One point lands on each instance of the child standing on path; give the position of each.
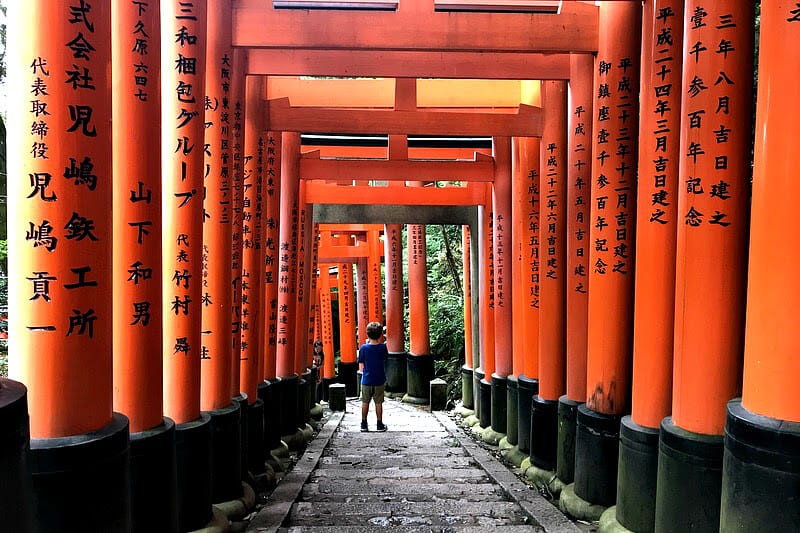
(371, 357)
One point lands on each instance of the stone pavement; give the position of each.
(423, 475)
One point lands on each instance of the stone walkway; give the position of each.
(423, 475)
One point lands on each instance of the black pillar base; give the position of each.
(544, 433)
(512, 392)
(499, 406)
(303, 396)
(527, 389)
(311, 397)
(567, 433)
(154, 479)
(193, 459)
(348, 377)
(242, 401)
(70, 471)
(636, 477)
(396, 372)
(467, 397)
(226, 453)
(326, 383)
(477, 378)
(485, 418)
(286, 401)
(266, 393)
(689, 480)
(760, 473)
(596, 456)
(255, 438)
(16, 491)
(419, 373)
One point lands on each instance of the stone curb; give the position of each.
(540, 510)
(270, 518)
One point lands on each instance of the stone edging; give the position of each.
(539, 509)
(270, 518)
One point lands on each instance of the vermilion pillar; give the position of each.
(363, 299)
(553, 276)
(656, 225)
(60, 228)
(183, 31)
(579, 167)
(527, 194)
(137, 222)
(419, 370)
(611, 247)
(326, 323)
(348, 367)
(237, 173)
(483, 374)
(711, 256)
(759, 487)
(286, 392)
(395, 335)
(501, 280)
(302, 349)
(467, 396)
(216, 296)
(374, 290)
(312, 290)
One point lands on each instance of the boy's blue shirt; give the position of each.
(373, 357)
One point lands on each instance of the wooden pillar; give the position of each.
(302, 350)
(553, 276)
(138, 374)
(467, 396)
(272, 197)
(60, 230)
(766, 422)
(395, 331)
(419, 368)
(237, 168)
(579, 166)
(374, 275)
(526, 301)
(486, 320)
(657, 222)
(501, 245)
(713, 209)
(611, 250)
(312, 291)
(348, 367)
(252, 317)
(287, 278)
(326, 323)
(363, 299)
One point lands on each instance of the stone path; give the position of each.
(423, 475)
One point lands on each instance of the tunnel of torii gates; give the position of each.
(173, 228)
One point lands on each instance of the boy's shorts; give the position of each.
(372, 393)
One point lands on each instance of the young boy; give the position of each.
(371, 357)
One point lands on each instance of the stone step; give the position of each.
(419, 461)
(408, 475)
(385, 514)
(341, 490)
(409, 529)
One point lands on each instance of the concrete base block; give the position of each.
(438, 394)
(307, 431)
(394, 395)
(525, 464)
(415, 400)
(238, 508)
(471, 420)
(514, 456)
(609, 524)
(295, 441)
(504, 444)
(492, 437)
(278, 457)
(577, 507)
(477, 431)
(317, 412)
(462, 411)
(337, 397)
(545, 478)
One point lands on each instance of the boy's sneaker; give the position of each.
(365, 427)
(381, 427)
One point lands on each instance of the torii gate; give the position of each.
(83, 338)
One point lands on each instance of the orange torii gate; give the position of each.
(63, 301)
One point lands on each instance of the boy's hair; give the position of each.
(374, 330)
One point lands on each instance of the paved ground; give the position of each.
(423, 475)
